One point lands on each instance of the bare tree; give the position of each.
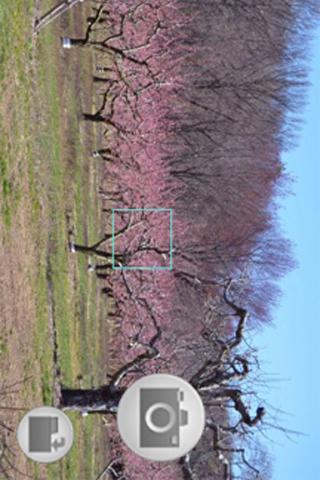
(218, 380)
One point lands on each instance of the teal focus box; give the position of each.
(142, 239)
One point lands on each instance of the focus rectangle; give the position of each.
(142, 239)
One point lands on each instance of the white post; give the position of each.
(66, 42)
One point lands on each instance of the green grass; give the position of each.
(15, 43)
(15, 54)
(76, 324)
(38, 175)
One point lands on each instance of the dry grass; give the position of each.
(48, 185)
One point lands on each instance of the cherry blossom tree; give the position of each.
(196, 102)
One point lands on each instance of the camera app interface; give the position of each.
(159, 239)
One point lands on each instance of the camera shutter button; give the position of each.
(156, 428)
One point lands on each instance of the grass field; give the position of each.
(48, 186)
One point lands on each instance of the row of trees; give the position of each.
(198, 100)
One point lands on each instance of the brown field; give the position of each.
(48, 188)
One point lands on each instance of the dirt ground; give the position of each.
(49, 185)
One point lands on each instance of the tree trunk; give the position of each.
(93, 249)
(78, 42)
(93, 117)
(97, 79)
(100, 400)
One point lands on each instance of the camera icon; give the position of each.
(45, 434)
(161, 417)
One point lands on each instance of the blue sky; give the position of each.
(290, 349)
